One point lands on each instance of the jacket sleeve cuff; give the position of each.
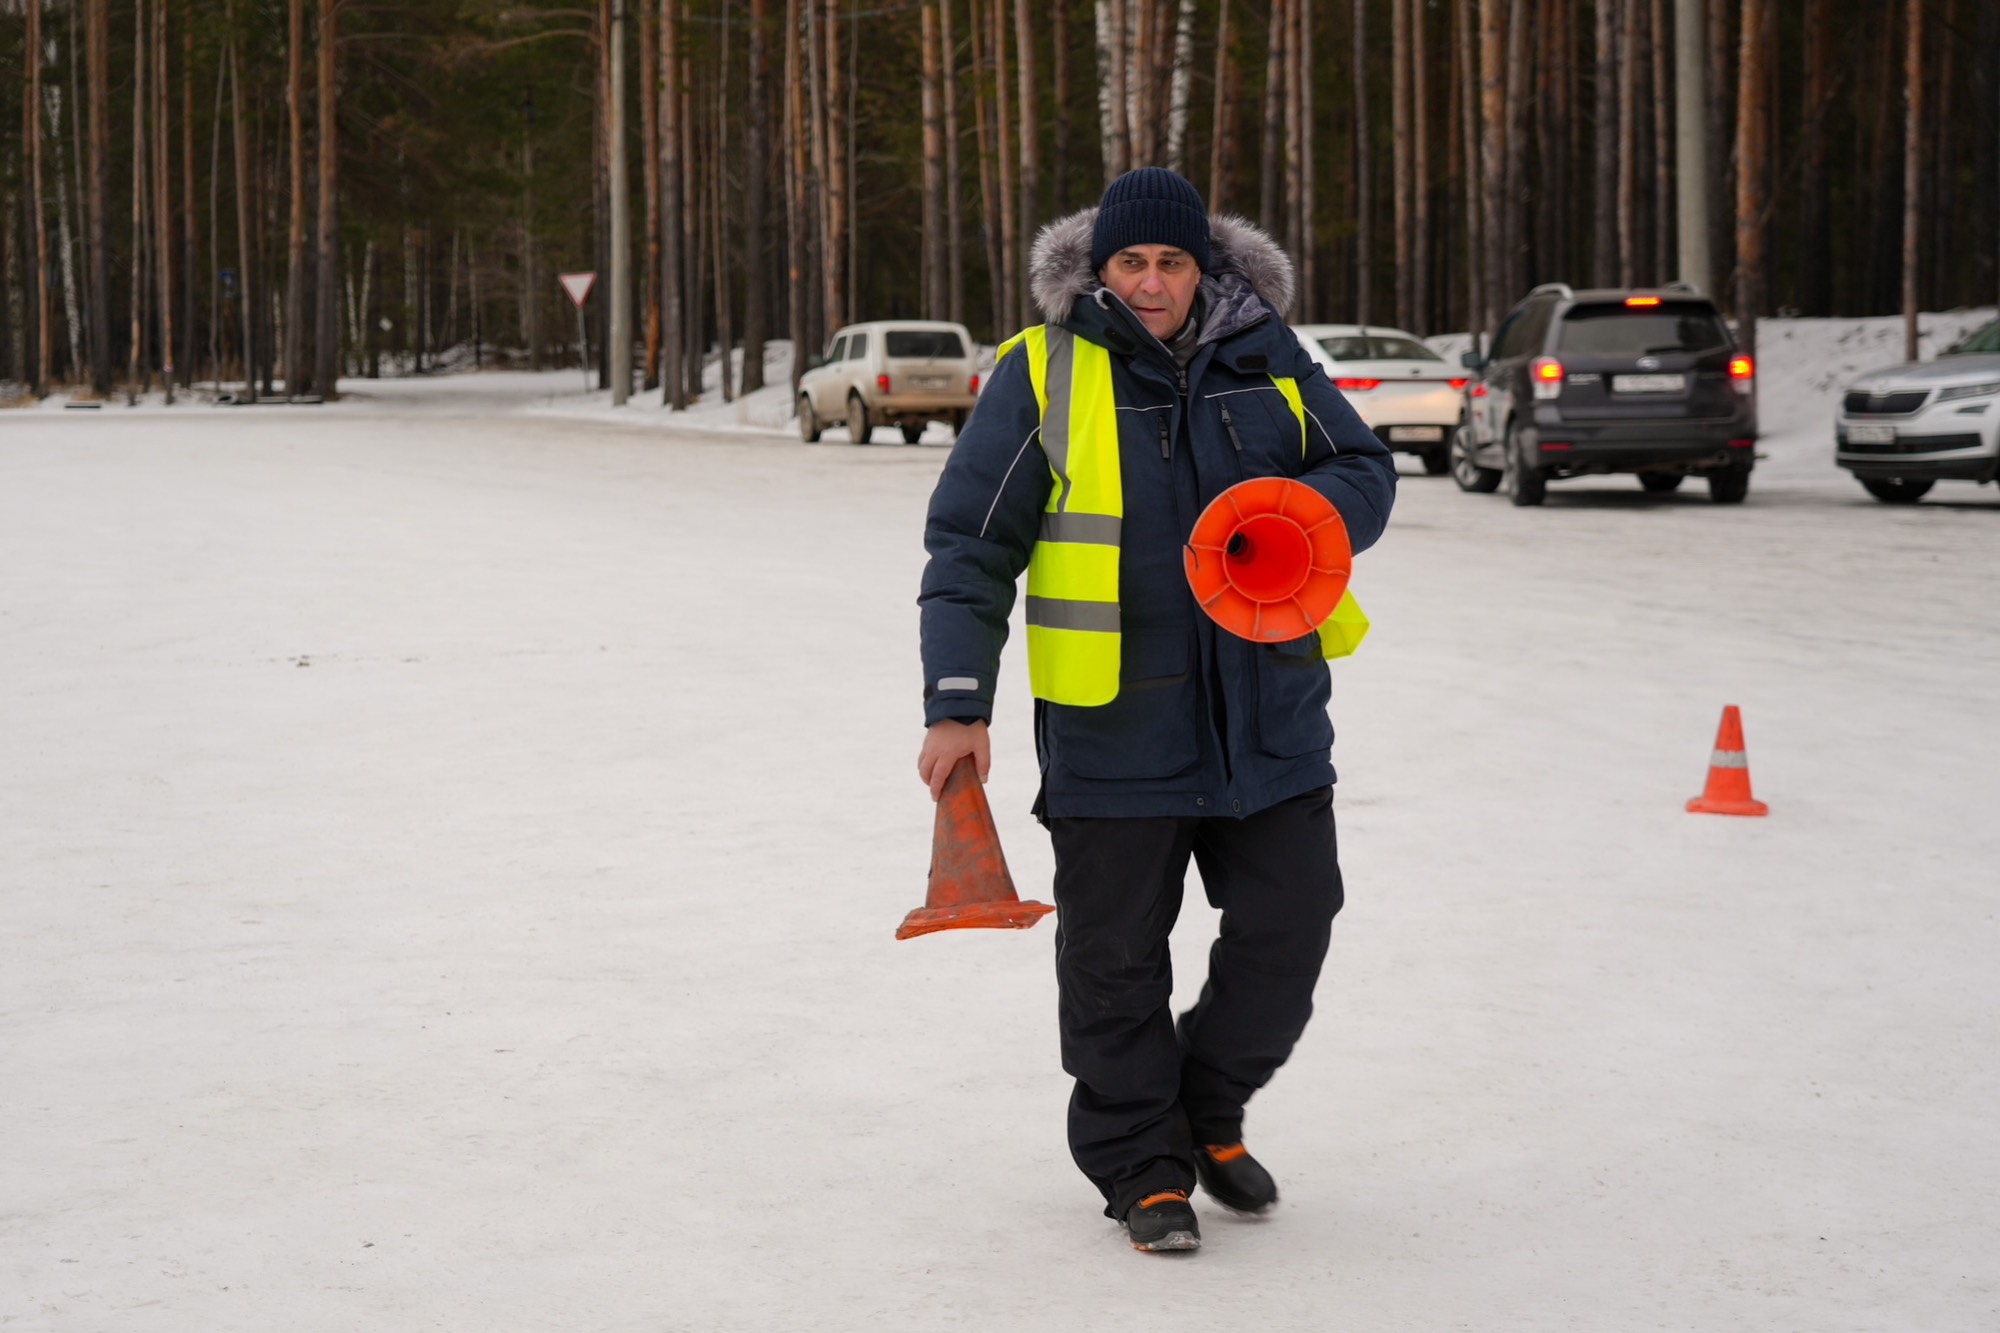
(958, 696)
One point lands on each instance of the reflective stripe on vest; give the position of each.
(1072, 608)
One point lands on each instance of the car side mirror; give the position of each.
(1472, 361)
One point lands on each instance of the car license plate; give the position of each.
(1431, 434)
(1871, 434)
(929, 381)
(1649, 383)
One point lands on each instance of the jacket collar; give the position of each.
(1250, 276)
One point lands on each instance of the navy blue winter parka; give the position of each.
(1205, 723)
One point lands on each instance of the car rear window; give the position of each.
(1621, 330)
(1368, 347)
(925, 342)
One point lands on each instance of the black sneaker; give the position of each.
(1235, 1179)
(1163, 1221)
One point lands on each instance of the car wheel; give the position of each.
(911, 434)
(1895, 491)
(1728, 488)
(1662, 483)
(858, 428)
(1527, 484)
(1437, 461)
(1467, 473)
(809, 427)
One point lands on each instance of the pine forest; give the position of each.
(284, 192)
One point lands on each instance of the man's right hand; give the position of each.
(947, 742)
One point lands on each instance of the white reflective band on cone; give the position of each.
(1729, 759)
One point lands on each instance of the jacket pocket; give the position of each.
(1293, 688)
(1148, 731)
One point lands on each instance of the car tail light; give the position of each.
(1547, 373)
(1555, 446)
(1479, 391)
(1356, 386)
(1642, 301)
(1458, 385)
(1743, 444)
(975, 385)
(1743, 372)
(882, 383)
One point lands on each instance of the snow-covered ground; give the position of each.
(452, 841)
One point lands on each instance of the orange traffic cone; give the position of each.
(1269, 559)
(1729, 774)
(970, 885)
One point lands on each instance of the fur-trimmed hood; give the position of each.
(1246, 264)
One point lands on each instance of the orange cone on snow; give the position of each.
(1728, 790)
(970, 885)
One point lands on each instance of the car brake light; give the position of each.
(1479, 391)
(1457, 385)
(1743, 372)
(1642, 300)
(975, 385)
(1356, 386)
(1547, 373)
(882, 383)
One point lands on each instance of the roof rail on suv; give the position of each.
(1561, 289)
(1681, 285)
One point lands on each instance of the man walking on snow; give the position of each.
(1165, 374)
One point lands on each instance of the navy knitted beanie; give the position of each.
(1150, 206)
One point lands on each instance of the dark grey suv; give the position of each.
(1584, 383)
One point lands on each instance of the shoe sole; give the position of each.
(1173, 1240)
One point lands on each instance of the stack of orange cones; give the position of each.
(1728, 790)
(969, 884)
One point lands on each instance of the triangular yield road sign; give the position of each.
(578, 286)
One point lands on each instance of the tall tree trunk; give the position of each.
(953, 182)
(934, 279)
(1604, 249)
(989, 189)
(97, 40)
(837, 184)
(1113, 113)
(1493, 111)
(672, 270)
(1307, 255)
(163, 222)
(1271, 162)
(1628, 141)
(1059, 166)
(295, 235)
(1222, 146)
(1691, 141)
(1420, 169)
(248, 288)
(31, 130)
(1519, 79)
(1364, 173)
(1752, 148)
(1721, 157)
(1181, 87)
(649, 180)
(725, 330)
(796, 221)
(1663, 147)
(189, 220)
(136, 364)
(757, 201)
(1470, 87)
(1913, 169)
(1010, 219)
(1031, 153)
(327, 338)
(1399, 151)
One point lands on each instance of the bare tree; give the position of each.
(1364, 193)
(1420, 169)
(1752, 149)
(953, 209)
(1493, 155)
(1222, 147)
(1180, 87)
(756, 201)
(1031, 163)
(31, 130)
(1913, 168)
(248, 286)
(1270, 159)
(163, 222)
(97, 40)
(1605, 181)
(672, 270)
(136, 364)
(1399, 149)
(326, 340)
(295, 235)
(933, 189)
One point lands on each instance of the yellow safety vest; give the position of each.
(1072, 611)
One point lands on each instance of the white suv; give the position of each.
(903, 373)
(1903, 430)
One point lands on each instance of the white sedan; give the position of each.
(1409, 395)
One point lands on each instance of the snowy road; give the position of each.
(449, 865)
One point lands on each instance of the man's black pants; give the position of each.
(1145, 1094)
